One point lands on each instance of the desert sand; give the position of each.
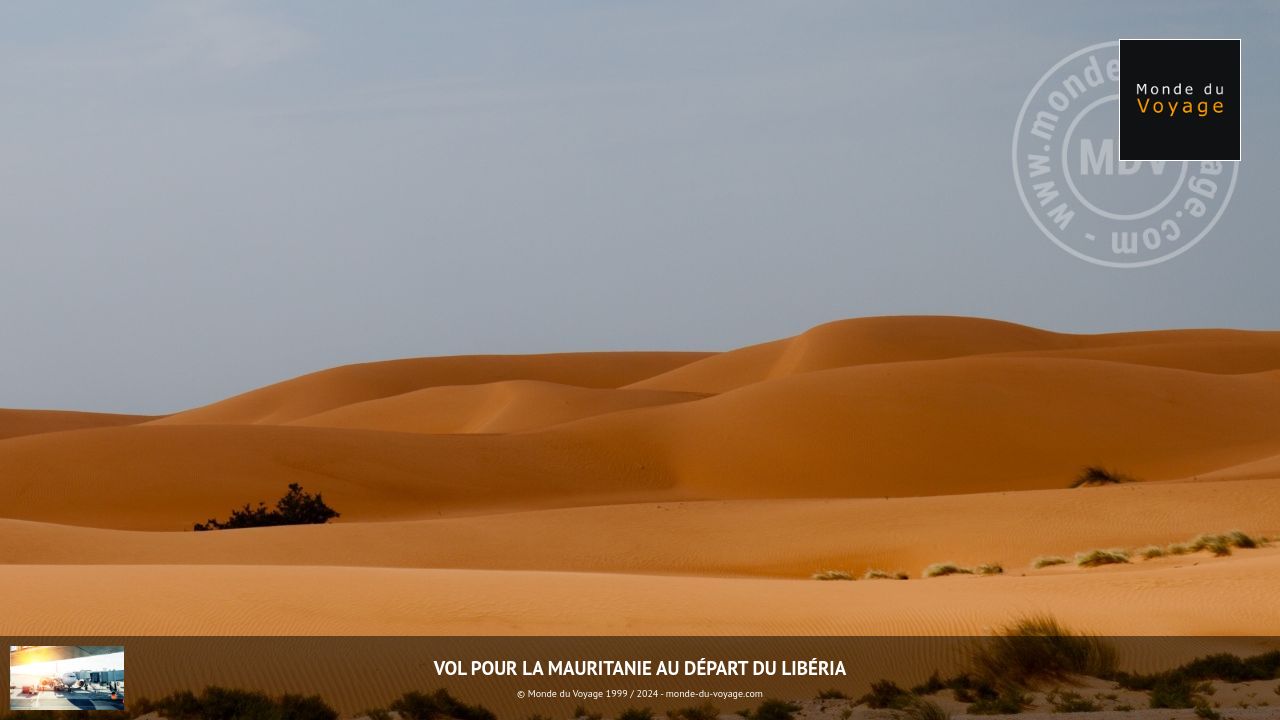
(673, 493)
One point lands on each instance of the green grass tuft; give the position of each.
(1096, 558)
(943, 569)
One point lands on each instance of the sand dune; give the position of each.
(274, 600)
(17, 423)
(713, 538)
(502, 407)
(945, 427)
(865, 341)
(328, 389)
(649, 493)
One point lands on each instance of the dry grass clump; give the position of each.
(946, 568)
(989, 569)
(1151, 552)
(1178, 549)
(877, 574)
(1039, 648)
(832, 575)
(1045, 561)
(1099, 557)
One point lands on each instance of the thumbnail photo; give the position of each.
(66, 677)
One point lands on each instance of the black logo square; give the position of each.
(1179, 99)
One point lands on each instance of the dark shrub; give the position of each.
(1097, 475)
(437, 705)
(775, 710)
(886, 694)
(295, 508)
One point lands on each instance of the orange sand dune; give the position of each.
(1235, 596)
(722, 538)
(502, 407)
(654, 493)
(962, 425)
(943, 427)
(865, 341)
(16, 423)
(328, 389)
(165, 477)
(1259, 353)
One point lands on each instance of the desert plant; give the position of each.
(1151, 552)
(990, 569)
(1094, 475)
(1009, 702)
(1207, 713)
(636, 714)
(439, 704)
(832, 575)
(295, 508)
(1095, 558)
(946, 568)
(832, 694)
(886, 694)
(1173, 691)
(1178, 549)
(227, 704)
(1064, 701)
(876, 574)
(1045, 561)
(775, 710)
(1039, 648)
(1219, 545)
(925, 710)
(934, 684)
(582, 713)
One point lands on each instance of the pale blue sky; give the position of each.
(203, 197)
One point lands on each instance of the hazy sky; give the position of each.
(203, 197)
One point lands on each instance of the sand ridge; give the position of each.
(600, 492)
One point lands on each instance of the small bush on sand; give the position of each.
(1178, 549)
(582, 713)
(1009, 702)
(1045, 561)
(886, 694)
(1151, 552)
(217, 702)
(295, 508)
(1219, 545)
(990, 569)
(775, 710)
(1065, 701)
(935, 684)
(832, 694)
(1095, 475)
(1039, 648)
(636, 714)
(1095, 558)
(875, 574)
(1240, 539)
(424, 706)
(832, 575)
(946, 568)
(926, 710)
(1173, 691)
